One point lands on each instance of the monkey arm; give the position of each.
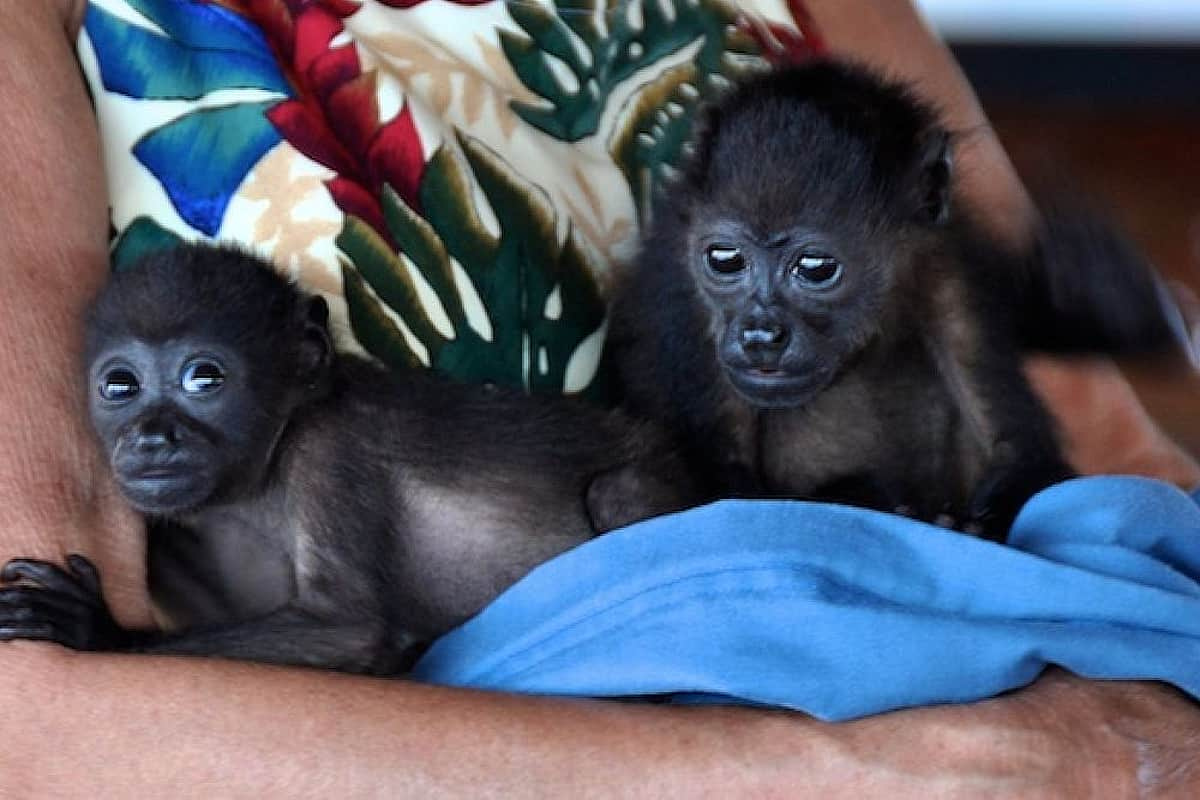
(67, 606)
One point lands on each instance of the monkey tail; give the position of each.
(1086, 288)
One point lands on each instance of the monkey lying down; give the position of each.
(815, 317)
(308, 507)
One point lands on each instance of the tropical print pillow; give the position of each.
(455, 177)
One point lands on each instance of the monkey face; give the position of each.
(182, 422)
(809, 196)
(787, 309)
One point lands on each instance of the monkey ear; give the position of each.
(316, 346)
(697, 154)
(317, 311)
(934, 178)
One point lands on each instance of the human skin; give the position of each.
(53, 250)
(82, 724)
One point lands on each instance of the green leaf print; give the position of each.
(535, 298)
(143, 235)
(573, 60)
(652, 136)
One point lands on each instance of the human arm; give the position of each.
(53, 254)
(155, 726)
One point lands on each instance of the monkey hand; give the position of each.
(40, 600)
(1005, 488)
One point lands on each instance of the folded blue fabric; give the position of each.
(842, 612)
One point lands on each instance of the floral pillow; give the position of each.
(455, 177)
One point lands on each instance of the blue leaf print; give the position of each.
(137, 62)
(205, 27)
(201, 158)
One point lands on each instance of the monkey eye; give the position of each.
(202, 376)
(817, 270)
(119, 385)
(724, 259)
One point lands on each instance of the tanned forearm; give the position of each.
(175, 727)
(163, 727)
(55, 495)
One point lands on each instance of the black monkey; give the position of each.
(816, 318)
(308, 507)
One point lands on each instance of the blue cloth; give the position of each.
(842, 612)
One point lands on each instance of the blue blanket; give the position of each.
(841, 612)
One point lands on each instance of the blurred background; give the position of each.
(1103, 96)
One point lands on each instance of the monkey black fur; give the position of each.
(307, 507)
(815, 317)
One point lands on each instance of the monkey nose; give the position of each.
(772, 335)
(148, 440)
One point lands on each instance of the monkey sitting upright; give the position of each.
(815, 318)
(311, 508)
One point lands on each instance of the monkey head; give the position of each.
(806, 202)
(196, 359)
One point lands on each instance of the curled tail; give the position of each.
(1086, 288)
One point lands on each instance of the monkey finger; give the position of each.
(42, 632)
(39, 614)
(27, 602)
(23, 568)
(49, 576)
(85, 572)
(34, 631)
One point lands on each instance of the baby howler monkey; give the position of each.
(309, 507)
(814, 314)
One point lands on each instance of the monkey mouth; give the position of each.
(159, 474)
(165, 490)
(774, 387)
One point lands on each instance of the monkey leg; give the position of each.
(868, 490)
(1005, 488)
(297, 637)
(623, 496)
(640, 490)
(67, 606)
